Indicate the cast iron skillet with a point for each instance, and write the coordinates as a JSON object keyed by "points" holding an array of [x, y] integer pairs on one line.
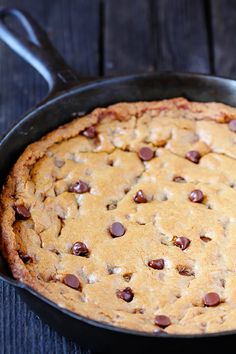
{"points": [[67, 95]]}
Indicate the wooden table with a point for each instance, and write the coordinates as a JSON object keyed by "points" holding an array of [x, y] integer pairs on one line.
{"points": [[109, 37]]}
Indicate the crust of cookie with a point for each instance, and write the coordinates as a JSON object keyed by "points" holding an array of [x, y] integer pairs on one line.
{"points": [[21, 182]]}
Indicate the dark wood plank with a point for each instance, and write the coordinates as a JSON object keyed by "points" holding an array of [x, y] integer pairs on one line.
{"points": [[149, 35], [180, 35], [223, 14], [21, 331], [69, 26], [127, 37]]}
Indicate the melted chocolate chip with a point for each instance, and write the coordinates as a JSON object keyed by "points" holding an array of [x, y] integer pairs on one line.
{"points": [[193, 156], [157, 263], [162, 321], [196, 196], [139, 310], [184, 270], [146, 154], [211, 299], [205, 238], [112, 205], [182, 242], [117, 229], [126, 190], [232, 125], [22, 212], [127, 276], [140, 197], [79, 249], [126, 294], [90, 132], [79, 187], [72, 281], [179, 179], [110, 163], [24, 257]]}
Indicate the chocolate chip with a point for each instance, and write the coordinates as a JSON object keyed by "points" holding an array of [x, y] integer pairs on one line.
{"points": [[126, 294], [193, 156], [22, 212], [184, 270], [117, 229], [112, 205], [110, 163], [162, 321], [90, 132], [182, 242], [157, 263], [126, 190], [145, 153], [205, 238], [79, 187], [211, 299], [232, 125], [24, 257], [72, 281], [139, 310], [127, 276], [196, 196], [79, 249], [179, 179], [140, 197]]}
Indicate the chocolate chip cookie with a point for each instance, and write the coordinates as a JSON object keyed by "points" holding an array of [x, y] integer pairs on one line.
{"points": [[128, 216]]}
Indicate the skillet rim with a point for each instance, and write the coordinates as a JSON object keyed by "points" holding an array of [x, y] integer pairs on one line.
{"points": [[44, 105], [84, 85]]}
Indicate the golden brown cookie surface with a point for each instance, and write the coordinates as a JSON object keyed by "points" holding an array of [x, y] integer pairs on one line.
{"points": [[128, 216]]}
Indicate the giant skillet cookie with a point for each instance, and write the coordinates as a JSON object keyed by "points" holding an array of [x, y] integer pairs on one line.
{"points": [[128, 216]]}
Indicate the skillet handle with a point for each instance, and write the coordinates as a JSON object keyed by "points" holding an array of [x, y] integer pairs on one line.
{"points": [[36, 48]]}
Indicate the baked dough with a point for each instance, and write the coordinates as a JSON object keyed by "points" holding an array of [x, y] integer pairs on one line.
{"points": [[128, 216]]}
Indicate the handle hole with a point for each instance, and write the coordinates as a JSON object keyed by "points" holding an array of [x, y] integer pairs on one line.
{"points": [[20, 26], [15, 27]]}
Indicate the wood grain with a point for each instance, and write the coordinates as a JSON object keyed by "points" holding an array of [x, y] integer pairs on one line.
{"points": [[127, 37], [224, 29], [23, 332], [180, 36]]}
